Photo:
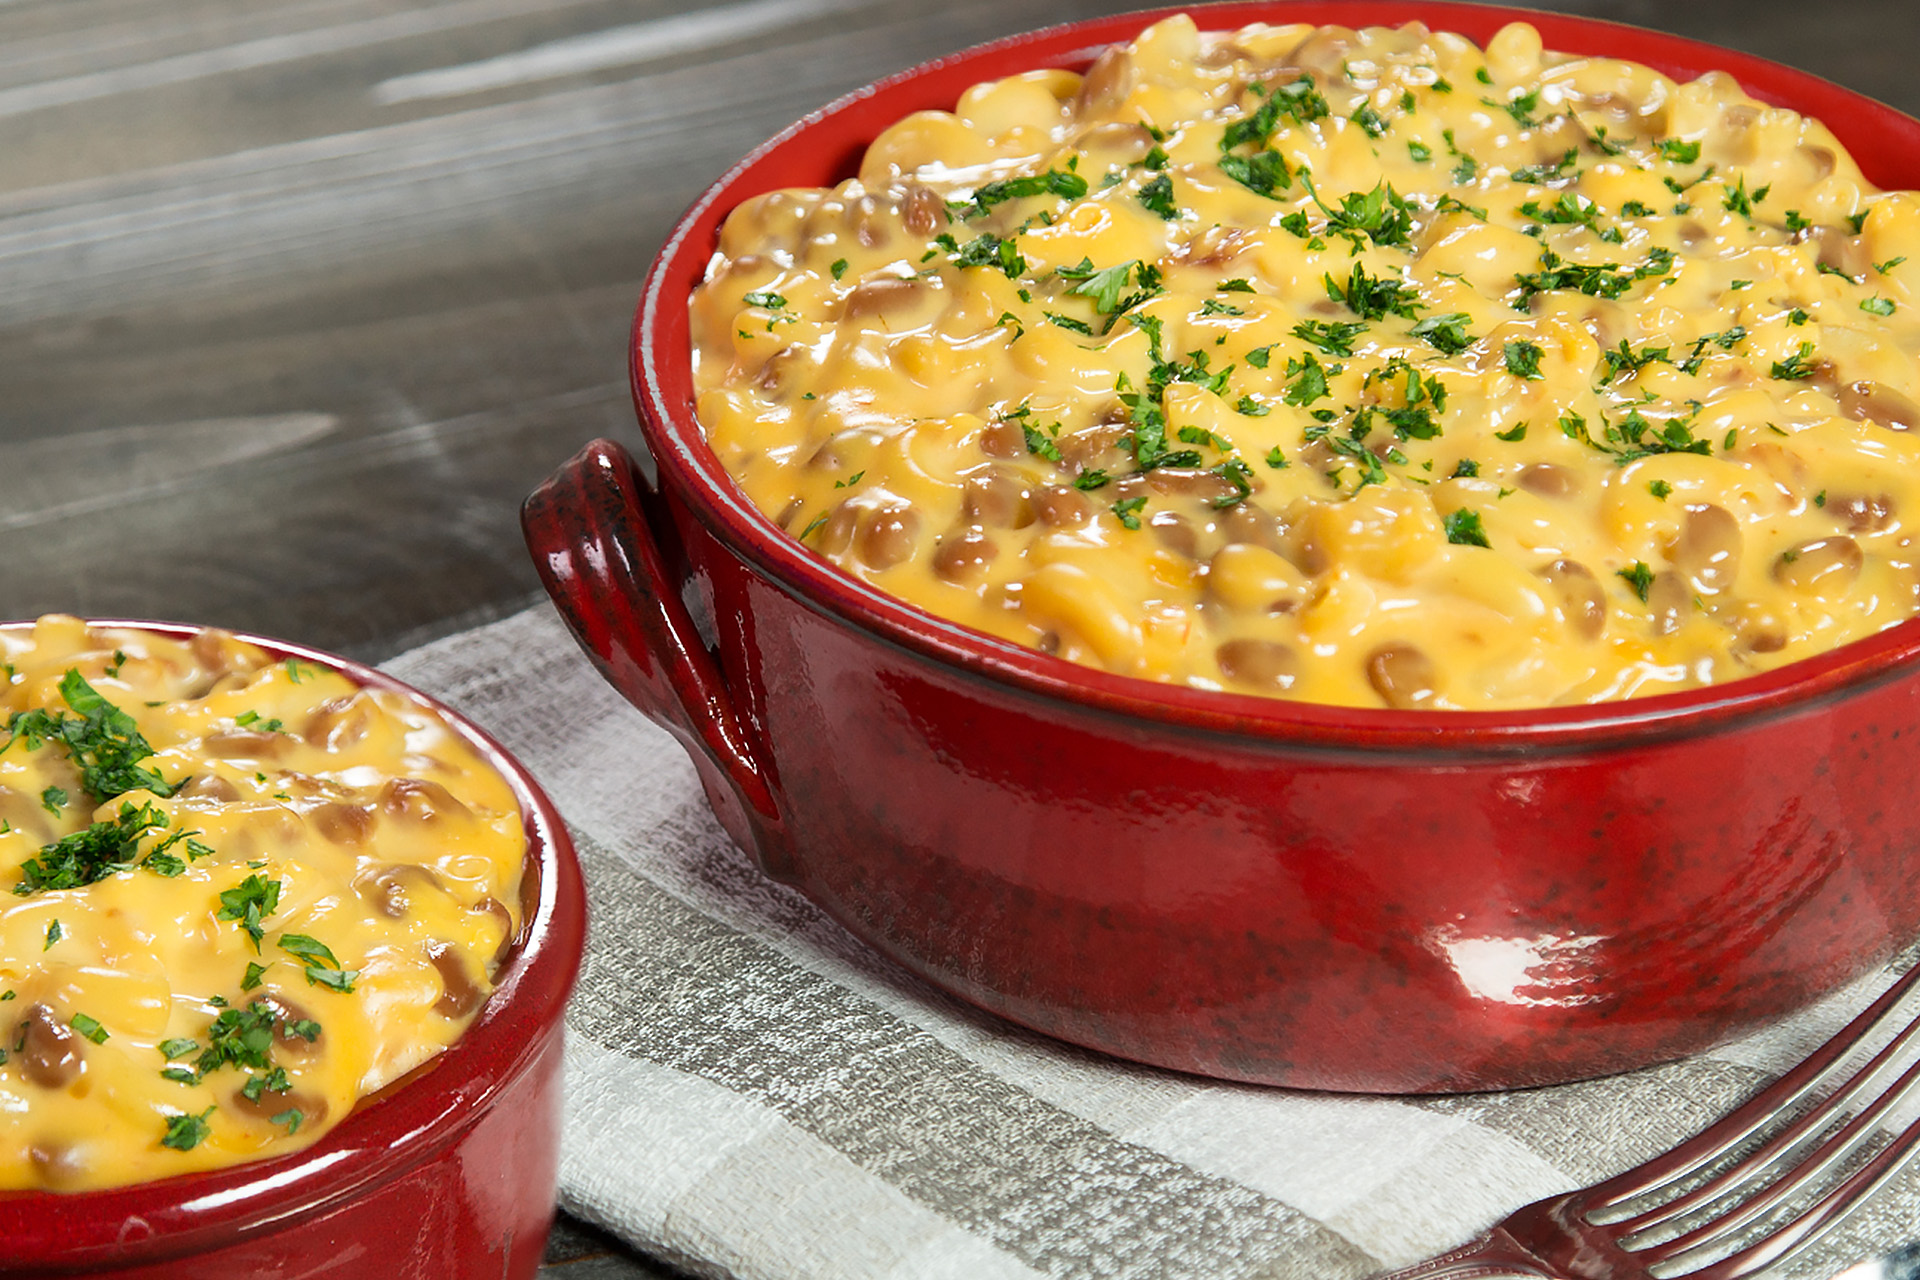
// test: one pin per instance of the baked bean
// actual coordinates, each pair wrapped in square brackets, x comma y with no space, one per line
[1176,533]
[245,744]
[389,889]
[997,498]
[497,909]
[1250,522]
[312,1107]
[1861,513]
[1876,402]
[56,1164]
[1003,439]
[887,536]
[1548,480]
[1127,143]
[1820,161]
[1403,676]
[418,800]
[1061,507]
[49,1050]
[1093,447]
[1582,602]
[460,994]
[341,823]
[286,1040]
[216,652]
[1835,248]
[1707,548]
[210,786]
[1670,600]
[1190,482]
[1266,665]
[339,723]
[836,535]
[923,211]
[1324,52]
[881,294]
[1824,567]
[963,557]
[1106,83]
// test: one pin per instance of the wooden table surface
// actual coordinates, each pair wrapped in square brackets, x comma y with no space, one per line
[298,298]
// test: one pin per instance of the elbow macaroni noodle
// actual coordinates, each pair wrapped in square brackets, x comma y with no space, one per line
[246,894]
[1362,367]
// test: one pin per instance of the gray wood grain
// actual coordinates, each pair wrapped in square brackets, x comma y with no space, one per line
[298,298]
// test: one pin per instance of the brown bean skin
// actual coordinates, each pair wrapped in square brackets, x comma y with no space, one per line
[1403,676]
[1884,406]
[997,498]
[390,889]
[1106,83]
[50,1053]
[1670,598]
[495,908]
[1266,665]
[287,1042]
[460,994]
[312,1107]
[245,744]
[836,535]
[1707,548]
[1176,533]
[963,557]
[1549,481]
[1191,482]
[1824,567]
[1581,597]
[1861,513]
[340,823]
[211,786]
[56,1164]
[880,295]
[1060,506]
[922,211]
[1003,439]
[339,723]
[887,536]
[419,800]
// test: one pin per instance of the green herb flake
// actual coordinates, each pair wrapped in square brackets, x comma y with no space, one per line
[1512,435]
[1277,459]
[53,800]
[322,968]
[1128,509]
[1447,334]
[839,268]
[185,1132]
[1677,151]
[1640,578]
[1464,528]
[1795,367]
[53,935]
[1523,360]
[248,903]
[762,298]
[1252,408]
[1877,306]
[1156,197]
[1419,152]
[104,743]
[177,1047]
[1335,337]
[1659,489]
[88,1027]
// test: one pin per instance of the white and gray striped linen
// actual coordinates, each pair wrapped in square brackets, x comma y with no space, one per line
[752,1093]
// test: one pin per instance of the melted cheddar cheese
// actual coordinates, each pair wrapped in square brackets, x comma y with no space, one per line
[245,894]
[1364,367]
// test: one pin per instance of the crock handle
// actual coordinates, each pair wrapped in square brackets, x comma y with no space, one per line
[587,528]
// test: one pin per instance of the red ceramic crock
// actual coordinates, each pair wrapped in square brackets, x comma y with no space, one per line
[448,1171]
[1255,889]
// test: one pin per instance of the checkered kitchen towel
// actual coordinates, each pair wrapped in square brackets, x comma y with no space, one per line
[752,1093]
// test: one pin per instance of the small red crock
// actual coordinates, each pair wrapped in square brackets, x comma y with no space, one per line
[448,1171]
[1255,889]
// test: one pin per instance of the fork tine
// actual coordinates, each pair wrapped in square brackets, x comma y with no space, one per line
[1811,1164]
[1825,1213]
[1840,1145]
[1738,1126]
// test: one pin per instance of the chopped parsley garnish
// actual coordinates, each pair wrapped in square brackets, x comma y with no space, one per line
[1215,307]
[1604,280]
[839,268]
[88,1027]
[1419,152]
[248,719]
[1447,334]
[1373,298]
[1640,578]
[1464,528]
[1370,120]
[1877,305]
[1156,197]
[185,1132]
[103,742]
[771,301]
[1741,201]
[1726,340]
[1521,107]
[1300,99]
[1678,152]
[1107,286]
[1796,366]
[1382,215]
[1042,444]
[1068,323]
[322,968]
[1335,337]
[1306,381]
[1659,489]
[1252,408]
[92,854]
[1263,173]
[985,250]
[1624,359]
[1276,459]
[251,978]
[1512,435]
[249,902]
[1523,359]
[178,1047]
[54,799]
[1068,186]
[54,934]
[1128,509]
[1542,173]
[1465,468]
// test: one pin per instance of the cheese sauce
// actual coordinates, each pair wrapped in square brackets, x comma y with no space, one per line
[245,893]
[1364,367]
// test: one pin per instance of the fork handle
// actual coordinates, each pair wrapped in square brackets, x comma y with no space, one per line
[1493,1254]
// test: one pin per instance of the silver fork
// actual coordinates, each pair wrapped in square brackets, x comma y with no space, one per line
[1783,1178]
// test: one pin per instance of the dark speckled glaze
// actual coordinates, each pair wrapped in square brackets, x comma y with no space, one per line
[448,1171]
[1261,890]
